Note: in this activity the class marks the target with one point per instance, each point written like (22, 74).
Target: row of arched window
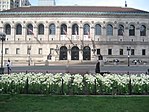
(75, 29)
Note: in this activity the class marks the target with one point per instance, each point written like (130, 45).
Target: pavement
(81, 67)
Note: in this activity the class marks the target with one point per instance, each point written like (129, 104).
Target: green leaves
(71, 84)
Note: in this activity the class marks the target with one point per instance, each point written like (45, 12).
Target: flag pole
(65, 32)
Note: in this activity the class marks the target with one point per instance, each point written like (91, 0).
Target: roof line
(72, 13)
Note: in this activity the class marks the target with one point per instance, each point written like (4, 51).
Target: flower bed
(74, 84)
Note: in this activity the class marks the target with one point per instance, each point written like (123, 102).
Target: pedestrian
(8, 66)
(148, 71)
(97, 69)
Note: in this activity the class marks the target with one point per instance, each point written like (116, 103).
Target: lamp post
(128, 49)
(129, 86)
(67, 66)
(29, 55)
(2, 38)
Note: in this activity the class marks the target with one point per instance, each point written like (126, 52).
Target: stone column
(92, 35)
(58, 33)
(35, 30)
(24, 33)
(115, 34)
(81, 33)
(93, 46)
(2, 27)
(69, 32)
(13, 31)
(46, 32)
(69, 55)
(104, 37)
(137, 34)
(81, 41)
(126, 34)
(81, 55)
(147, 33)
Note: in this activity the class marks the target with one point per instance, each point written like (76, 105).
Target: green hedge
(74, 84)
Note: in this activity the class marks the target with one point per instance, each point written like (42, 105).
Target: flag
(67, 36)
(64, 31)
(30, 30)
(88, 33)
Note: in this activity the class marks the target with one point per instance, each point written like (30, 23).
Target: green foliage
(74, 84)
(42, 103)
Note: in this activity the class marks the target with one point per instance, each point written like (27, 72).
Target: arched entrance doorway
(75, 53)
(63, 53)
(86, 53)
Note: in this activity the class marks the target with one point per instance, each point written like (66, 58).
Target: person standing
(97, 69)
(8, 66)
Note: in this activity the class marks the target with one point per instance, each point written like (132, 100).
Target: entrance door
(86, 53)
(75, 53)
(63, 53)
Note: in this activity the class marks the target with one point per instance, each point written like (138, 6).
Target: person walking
(8, 66)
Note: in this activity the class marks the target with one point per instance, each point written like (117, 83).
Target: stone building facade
(36, 35)
(9, 4)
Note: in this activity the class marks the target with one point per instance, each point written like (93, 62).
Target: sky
(137, 4)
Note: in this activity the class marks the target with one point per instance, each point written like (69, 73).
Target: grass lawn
(35, 103)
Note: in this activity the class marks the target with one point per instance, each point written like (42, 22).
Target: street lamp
(128, 49)
(129, 86)
(67, 66)
(29, 55)
(2, 38)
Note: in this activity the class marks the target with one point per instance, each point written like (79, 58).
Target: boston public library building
(45, 34)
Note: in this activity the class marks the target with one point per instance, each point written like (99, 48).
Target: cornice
(75, 13)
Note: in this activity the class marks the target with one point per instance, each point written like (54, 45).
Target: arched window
(63, 53)
(86, 29)
(63, 29)
(142, 30)
(7, 29)
(132, 30)
(30, 29)
(41, 29)
(97, 29)
(109, 30)
(75, 29)
(52, 29)
(74, 53)
(120, 30)
(86, 53)
(19, 29)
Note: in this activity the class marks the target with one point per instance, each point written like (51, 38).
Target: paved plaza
(80, 68)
